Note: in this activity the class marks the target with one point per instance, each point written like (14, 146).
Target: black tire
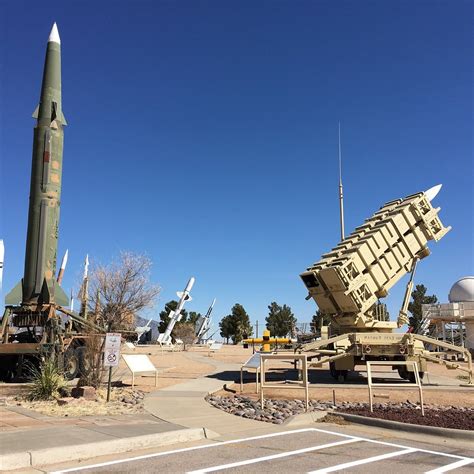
(402, 372)
(339, 375)
(412, 378)
(71, 364)
(8, 368)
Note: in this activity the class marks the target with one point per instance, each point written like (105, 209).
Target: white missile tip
(433, 192)
(64, 262)
(54, 35)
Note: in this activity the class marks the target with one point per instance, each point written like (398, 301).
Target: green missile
(39, 285)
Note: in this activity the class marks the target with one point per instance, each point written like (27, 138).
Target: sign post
(111, 355)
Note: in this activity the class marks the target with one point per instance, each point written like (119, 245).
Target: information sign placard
(112, 349)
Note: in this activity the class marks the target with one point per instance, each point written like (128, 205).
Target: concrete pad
(304, 419)
(177, 393)
(33, 439)
(130, 430)
(14, 461)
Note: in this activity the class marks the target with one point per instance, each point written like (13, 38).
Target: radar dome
(462, 291)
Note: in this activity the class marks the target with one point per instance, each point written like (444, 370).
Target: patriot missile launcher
(348, 282)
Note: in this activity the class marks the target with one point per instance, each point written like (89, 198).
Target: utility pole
(256, 329)
(341, 192)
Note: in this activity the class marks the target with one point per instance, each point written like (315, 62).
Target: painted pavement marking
(346, 465)
(449, 467)
(273, 456)
(182, 450)
(462, 460)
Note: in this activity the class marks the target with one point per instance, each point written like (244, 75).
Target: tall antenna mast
(341, 192)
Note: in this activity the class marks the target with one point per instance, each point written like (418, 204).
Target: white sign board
(138, 363)
(112, 349)
(253, 362)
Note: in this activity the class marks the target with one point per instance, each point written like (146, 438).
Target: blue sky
(204, 133)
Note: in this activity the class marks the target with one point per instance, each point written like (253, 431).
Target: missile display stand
(348, 282)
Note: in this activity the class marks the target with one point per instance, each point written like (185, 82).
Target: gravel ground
(122, 401)
(277, 411)
(457, 418)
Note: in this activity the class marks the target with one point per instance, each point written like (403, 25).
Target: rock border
(409, 427)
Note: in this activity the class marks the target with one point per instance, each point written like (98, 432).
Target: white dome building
(462, 291)
(456, 317)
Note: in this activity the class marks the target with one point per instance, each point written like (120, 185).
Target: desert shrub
(47, 380)
(91, 361)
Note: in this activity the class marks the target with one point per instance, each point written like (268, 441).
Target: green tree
(235, 325)
(193, 316)
(164, 315)
(419, 298)
(280, 320)
(319, 320)
(226, 328)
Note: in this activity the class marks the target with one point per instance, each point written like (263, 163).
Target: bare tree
(185, 332)
(120, 290)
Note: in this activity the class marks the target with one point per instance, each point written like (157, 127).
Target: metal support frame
(316, 346)
(417, 383)
(300, 384)
(257, 369)
(434, 357)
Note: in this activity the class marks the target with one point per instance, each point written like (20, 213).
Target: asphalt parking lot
(307, 450)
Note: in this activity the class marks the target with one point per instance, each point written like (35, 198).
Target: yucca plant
(47, 379)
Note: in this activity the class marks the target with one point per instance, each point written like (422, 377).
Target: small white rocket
(176, 315)
(63, 267)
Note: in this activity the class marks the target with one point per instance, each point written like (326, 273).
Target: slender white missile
(433, 192)
(185, 294)
(71, 306)
(2, 256)
(86, 267)
(203, 324)
(64, 260)
(63, 267)
(175, 316)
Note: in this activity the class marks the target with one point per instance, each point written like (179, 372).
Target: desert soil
(177, 367)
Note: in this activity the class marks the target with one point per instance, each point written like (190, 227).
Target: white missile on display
(2, 255)
(140, 330)
(175, 316)
(86, 267)
(433, 192)
(203, 325)
(63, 267)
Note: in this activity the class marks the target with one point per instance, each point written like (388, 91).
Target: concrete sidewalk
(31, 439)
(176, 414)
(184, 404)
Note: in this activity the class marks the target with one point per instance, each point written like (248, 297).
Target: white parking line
(183, 450)
(462, 460)
(273, 456)
(346, 465)
(449, 467)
